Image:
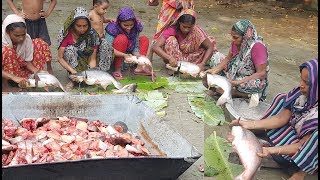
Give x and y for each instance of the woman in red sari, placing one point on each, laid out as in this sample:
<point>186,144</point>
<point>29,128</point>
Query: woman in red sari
<point>21,55</point>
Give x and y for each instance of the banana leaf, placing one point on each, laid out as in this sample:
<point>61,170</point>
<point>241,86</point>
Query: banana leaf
<point>185,85</point>
<point>216,153</point>
<point>207,110</point>
<point>154,99</point>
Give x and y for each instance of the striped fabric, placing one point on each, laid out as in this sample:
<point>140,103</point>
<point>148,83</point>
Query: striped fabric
<point>304,121</point>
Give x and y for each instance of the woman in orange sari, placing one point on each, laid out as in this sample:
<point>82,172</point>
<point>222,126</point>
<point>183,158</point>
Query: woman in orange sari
<point>186,41</point>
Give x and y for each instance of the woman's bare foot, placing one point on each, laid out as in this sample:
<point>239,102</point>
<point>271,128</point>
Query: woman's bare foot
<point>298,175</point>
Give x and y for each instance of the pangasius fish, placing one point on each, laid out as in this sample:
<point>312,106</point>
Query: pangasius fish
<point>185,67</point>
<point>246,145</point>
<point>142,61</point>
<point>223,83</point>
<point>95,76</point>
<point>43,79</point>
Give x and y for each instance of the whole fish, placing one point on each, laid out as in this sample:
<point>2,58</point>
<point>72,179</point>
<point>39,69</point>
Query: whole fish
<point>246,145</point>
<point>95,76</point>
<point>44,79</point>
<point>142,60</point>
<point>222,82</point>
<point>185,67</point>
<point>127,88</point>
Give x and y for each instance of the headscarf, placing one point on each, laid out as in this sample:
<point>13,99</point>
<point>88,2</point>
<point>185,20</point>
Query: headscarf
<point>78,13</point>
<point>303,103</point>
<point>183,12</point>
<point>249,36</point>
<point>25,49</point>
<point>114,28</point>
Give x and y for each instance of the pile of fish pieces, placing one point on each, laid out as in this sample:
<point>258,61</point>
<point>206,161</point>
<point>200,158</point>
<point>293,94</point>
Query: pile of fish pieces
<point>44,140</point>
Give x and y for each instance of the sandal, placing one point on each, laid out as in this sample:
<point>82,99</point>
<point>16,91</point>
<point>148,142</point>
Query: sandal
<point>153,2</point>
<point>117,75</point>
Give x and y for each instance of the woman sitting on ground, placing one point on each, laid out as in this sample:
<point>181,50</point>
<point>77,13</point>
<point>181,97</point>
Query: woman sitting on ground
<point>185,41</point>
<point>124,35</point>
<point>291,125</point>
<point>246,64</point>
<point>80,47</point>
<point>21,55</point>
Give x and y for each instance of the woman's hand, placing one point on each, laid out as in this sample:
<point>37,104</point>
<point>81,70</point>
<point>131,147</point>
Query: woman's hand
<point>22,82</point>
<point>73,71</point>
<point>173,62</point>
<point>235,83</point>
<point>266,151</point>
<point>127,58</point>
<point>212,71</point>
<point>243,123</point>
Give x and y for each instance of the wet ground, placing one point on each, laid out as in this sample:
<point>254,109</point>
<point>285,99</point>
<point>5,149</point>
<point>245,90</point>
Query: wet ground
<point>290,33</point>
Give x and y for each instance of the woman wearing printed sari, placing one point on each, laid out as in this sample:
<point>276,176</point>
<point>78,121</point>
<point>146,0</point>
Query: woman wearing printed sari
<point>21,55</point>
<point>246,65</point>
<point>186,41</point>
<point>169,11</point>
<point>80,46</point>
<point>291,125</point>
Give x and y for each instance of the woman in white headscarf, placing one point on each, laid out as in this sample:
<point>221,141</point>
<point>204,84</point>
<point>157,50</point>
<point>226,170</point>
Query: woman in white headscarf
<point>21,55</point>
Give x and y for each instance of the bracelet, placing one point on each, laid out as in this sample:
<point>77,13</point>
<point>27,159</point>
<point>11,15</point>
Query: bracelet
<point>254,124</point>
<point>279,149</point>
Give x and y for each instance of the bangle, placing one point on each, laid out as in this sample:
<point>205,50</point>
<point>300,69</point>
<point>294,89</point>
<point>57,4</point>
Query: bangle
<point>254,124</point>
<point>279,149</point>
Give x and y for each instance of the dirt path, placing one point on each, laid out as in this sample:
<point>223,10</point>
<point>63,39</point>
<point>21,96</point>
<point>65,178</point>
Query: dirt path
<point>290,34</point>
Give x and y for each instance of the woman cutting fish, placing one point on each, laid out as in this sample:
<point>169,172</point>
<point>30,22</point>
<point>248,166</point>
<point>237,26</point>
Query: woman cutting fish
<point>21,55</point>
<point>291,125</point>
<point>246,64</point>
<point>80,46</point>
<point>186,41</point>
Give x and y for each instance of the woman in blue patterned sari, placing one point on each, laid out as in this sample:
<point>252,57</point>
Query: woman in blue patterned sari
<point>291,125</point>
